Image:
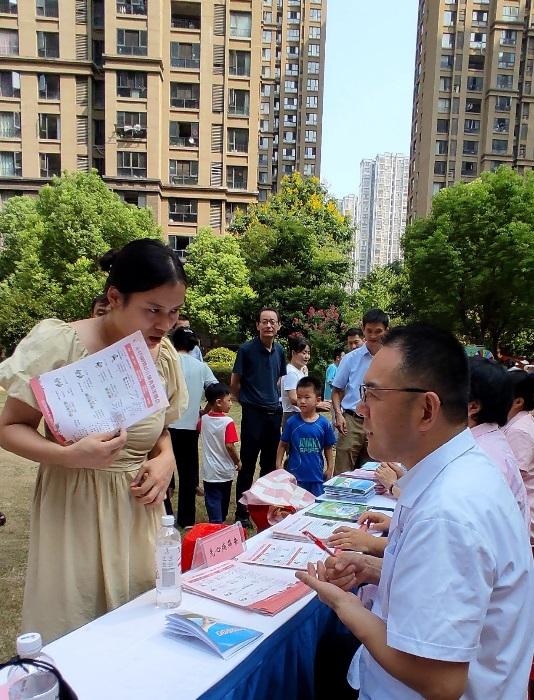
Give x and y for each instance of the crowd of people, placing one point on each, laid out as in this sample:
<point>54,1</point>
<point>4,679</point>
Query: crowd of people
<point>441,606</point>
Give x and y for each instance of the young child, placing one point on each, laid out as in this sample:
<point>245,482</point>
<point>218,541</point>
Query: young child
<point>220,459</point>
<point>308,435</point>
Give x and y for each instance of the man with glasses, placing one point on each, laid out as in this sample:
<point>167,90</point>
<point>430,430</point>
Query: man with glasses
<point>258,367</point>
<point>350,448</point>
<point>453,614</point>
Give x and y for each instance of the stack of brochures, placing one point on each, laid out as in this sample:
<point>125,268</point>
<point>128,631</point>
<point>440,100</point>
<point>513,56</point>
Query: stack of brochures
<point>348,489</point>
<point>335,510</point>
<point>208,633</point>
<point>292,527</point>
<point>366,471</point>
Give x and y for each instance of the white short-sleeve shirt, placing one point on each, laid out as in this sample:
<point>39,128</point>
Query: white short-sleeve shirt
<point>288,383</point>
<point>457,580</point>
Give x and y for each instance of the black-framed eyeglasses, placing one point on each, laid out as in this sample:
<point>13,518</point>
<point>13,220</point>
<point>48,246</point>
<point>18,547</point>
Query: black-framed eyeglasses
<point>408,389</point>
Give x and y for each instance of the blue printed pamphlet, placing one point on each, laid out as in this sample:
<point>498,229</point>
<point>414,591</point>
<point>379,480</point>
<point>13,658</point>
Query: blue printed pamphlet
<point>221,637</point>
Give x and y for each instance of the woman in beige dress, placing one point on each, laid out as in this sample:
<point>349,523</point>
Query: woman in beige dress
<point>97,502</point>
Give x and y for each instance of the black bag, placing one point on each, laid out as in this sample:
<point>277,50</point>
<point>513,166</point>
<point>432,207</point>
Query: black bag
<point>65,691</point>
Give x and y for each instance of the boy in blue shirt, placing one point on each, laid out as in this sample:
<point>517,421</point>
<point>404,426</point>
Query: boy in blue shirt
<point>308,435</point>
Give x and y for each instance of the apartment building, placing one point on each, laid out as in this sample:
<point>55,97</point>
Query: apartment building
<point>163,97</point>
<point>473,90</point>
<point>381,216</point>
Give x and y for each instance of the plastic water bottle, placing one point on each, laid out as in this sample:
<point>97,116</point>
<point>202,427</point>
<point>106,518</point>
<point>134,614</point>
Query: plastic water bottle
<point>26,682</point>
<point>168,564</point>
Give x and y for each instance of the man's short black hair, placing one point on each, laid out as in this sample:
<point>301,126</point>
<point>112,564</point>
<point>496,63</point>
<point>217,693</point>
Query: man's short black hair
<point>216,391</point>
<point>523,386</point>
<point>267,308</point>
<point>491,385</point>
<point>100,299</point>
<point>375,316</point>
<point>354,331</point>
<point>337,353</point>
<point>184,339</point>
<point>310,382</point>
<point>434,360</point>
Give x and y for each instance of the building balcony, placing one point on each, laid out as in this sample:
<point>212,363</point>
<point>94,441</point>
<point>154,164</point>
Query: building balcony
<point>131,131</point>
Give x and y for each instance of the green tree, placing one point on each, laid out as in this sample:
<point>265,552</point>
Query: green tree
<point>296,247</point>
<point>470,264</point>
<point>218,283</point>
<point>385,288</point>
<point>51,246</point>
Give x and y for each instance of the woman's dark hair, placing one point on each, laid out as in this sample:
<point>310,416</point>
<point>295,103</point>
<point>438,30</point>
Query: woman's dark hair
<point>184,339</point>
<point>523,386</point>
<point>142,265</point>
<point>297,344</point>
<point>491,385</point>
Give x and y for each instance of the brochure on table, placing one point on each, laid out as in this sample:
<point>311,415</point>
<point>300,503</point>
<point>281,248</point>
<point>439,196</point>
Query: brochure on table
<point>110,389</point>
<point>286,555</point>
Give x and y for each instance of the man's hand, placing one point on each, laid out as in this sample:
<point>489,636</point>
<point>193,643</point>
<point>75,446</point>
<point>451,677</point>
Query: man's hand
<point>341,423</point>
<point>377,521</point>
<point>339,600</point>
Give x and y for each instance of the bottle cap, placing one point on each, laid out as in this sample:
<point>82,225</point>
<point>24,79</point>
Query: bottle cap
<point>28,644</point>
<point>167,520</point>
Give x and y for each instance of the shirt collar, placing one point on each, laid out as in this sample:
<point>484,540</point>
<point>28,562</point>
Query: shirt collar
<point>483,429</point>
<point>421,475</point>
<point>513,420</point>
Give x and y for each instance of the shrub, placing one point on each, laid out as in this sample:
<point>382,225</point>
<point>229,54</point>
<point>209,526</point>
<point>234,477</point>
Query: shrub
<point>220,355</point>
<point>222,370</point>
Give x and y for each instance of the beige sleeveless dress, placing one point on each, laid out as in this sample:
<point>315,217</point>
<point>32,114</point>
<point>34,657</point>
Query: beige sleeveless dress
<point>91,543</point>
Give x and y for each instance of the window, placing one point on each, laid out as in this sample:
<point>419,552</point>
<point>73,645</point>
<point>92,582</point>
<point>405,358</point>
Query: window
<point>131,7</point>
<point>263,178</point>
<point>312,85</point>
<point>504,81</point>
<point>476,62</point>
<point>310,136</point>
<point>436,187</point>
<point>9,84</point>
<point>313,67</point>
<point>182,211</point>
<point>293,17</point>
<point>479,18</point>
<point>238,103</point>
<point>238,140</point>
<point>266,36</point>
<point>240,24</point>
<point>184,134</point>
<point>446,62</point>
<point>292,68</point>
<point>510,14</point>
<point>442,126</point>
<point>10,164</point>
<point>8,7</point>
<point>48,44</point>
<point>445,84</point>
<point>444,104</point>
<point>9,125</point>
<point>293,35</point>
<point>266,54</point>
<point>315,15</point>
<point>478,40</point>
<point>506,59</point>
<point>131,124</point>
<point>185,95</point>
<point>265,108</point>
<point>268,17</point>
<point>311,118</point>
<point>474,84</point>
<point>131,164</point>
<point>185,55</point>
<point>311,102</point>
<point>50,164</point>
<point>132,42</point>
<point>263,160</point>
<point>263,142</point>
<point>266,71</point>
<point>184,19</point>
<point>289,153</point>
<point>441,148</point>
<point>440,167</point>
<point>49,126</point>
<point>314,33</point>
<point>508,37</point>
<point>47,8</point>
<point>292,51</point>
<point>447,41</point>
<point>264,125</point>
<point>314,50</point>
<point>472,126</point>
<point>290,103</point>
<point>501,125</point>
<point>99,132</point>
<point>470,148</point>
<point>239,62</point>
<point>449,18</point>
<point>309,169</point>
<point>472,105</point>
<point>131,84</point>
<point>183,172</point>
<point>288,169</point>
<point>48,86</point>
<point>290,137</point>
<point>503,103</point>
<point>291,86</point>
<point>469,168</point>
<point>236,177</point>
<point>499,146</point>
<point>310,152</point>
<point>266,90</point>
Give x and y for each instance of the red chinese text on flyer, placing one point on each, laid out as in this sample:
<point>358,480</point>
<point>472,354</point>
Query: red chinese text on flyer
<point>111,389</point>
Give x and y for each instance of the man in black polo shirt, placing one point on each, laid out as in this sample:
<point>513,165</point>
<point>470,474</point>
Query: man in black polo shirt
<point>258,366</point>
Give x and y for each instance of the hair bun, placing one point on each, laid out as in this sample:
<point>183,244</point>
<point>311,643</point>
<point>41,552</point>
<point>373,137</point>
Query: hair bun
<point>107,259</point>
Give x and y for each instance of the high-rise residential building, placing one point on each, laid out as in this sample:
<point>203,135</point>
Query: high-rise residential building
<point>348,205</point>
<point>381,217</point>
<point>291,105</point>
<point>473,90</point>
<point>163,98</point>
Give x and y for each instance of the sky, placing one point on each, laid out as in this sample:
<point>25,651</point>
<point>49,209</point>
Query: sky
<point>369,69</point>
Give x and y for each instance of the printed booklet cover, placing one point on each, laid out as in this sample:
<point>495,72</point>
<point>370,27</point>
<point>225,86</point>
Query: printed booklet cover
<point>221,637</point>
<point>331,510</point>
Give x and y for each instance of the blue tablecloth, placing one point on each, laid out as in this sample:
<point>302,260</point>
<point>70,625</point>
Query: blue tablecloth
<point>282,666</point>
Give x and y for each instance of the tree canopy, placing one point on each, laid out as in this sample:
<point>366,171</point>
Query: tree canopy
<point>470,264</point>
<point>51,246</point>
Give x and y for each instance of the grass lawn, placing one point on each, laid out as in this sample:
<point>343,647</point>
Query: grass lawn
<point>17,479</point>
